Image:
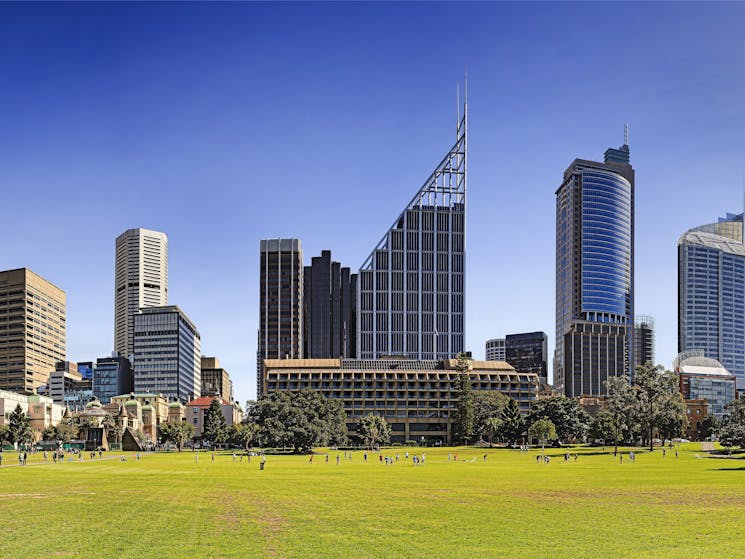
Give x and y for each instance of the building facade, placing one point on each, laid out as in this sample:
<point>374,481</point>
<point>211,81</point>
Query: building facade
<point>704,378</point>
<point>528,353</point>
<point>196,412</point>
<point>643,340</point>
<point>417,398</point>
<point>42,411</point>
<point>216,380</point>
<point>711,293</point>
<point>411,288</point>
<point>140,280</point>
<point>112,376</point>
<point>280,302</point>
<point>32,330</point>
<point>167,357</point>
<point>328,309</point>
<point>68,388</point>
<point>594,273</point>
<point>495,350</point>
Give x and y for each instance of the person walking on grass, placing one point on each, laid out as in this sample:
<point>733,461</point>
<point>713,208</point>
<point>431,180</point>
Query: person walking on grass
<point>213,456</point>
<point>196,458</point>
<point>338,459</point>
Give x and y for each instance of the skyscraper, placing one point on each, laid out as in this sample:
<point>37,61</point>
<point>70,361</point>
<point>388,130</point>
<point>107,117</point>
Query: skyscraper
<point>140,280</point>
<point>528,353</point>
<point>595,273</point>
<point>643,340</point>
<point>280,303</point>
<point>711,293</point>
<point>411,288</point>
<point>167,354</point>
<point>32,330</point>
<point>328,317</point>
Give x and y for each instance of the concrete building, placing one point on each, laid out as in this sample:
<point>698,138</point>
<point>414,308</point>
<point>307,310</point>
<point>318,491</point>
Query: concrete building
<point>112,376</point>
<point>415,397</point>
<point>495,350</point>
<point>42,411</point>
<point>68,388</point>
<point>196,411</point>
<point>216,380</point>
<point>595,273</point>
<point>140,280</point>
<point>328,309</point>
<point>280,302</point>
<point>711,293</point>
<point>643,340</point>
<point>411,288</point>
<point>528,353</point>
<point>167,356</point>
<point>703,378</point>
<point>32,330</point>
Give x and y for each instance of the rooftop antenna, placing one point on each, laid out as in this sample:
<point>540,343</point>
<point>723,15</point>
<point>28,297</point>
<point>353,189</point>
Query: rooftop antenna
<point>626,134</point>
<point>457,109</point>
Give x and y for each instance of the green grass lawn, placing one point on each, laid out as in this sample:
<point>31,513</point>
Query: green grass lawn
<point>167,505</point>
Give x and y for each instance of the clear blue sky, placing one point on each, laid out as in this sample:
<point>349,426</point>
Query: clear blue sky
<point>222,124</point>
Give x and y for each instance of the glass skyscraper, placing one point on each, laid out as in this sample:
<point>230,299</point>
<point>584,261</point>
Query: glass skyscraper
<point>711,293</point>
<point>411,288</point>
<point>594,273</point>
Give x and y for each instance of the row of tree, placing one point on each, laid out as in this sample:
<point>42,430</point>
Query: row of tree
<point>652,406</point>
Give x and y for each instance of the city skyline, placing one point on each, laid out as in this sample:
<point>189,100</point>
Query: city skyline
<point>231,136</point>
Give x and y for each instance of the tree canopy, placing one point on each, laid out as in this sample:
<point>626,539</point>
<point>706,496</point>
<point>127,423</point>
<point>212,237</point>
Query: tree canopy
<point>569,419</point>
<point>215,428</point>
<point>374,431</point>
<point>299,420</point>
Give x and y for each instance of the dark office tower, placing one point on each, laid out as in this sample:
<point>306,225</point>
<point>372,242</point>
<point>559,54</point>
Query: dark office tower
<point>327,309</point>
<point>643,340</point>
<point>411,287</point>
<point>280,302</point>
<point>528,353</point>
<point>595,273</point>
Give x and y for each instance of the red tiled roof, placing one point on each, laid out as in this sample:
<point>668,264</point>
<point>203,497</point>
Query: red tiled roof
<point>205,401</point>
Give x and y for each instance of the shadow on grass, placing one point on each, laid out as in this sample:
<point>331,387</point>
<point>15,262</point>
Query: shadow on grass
<point>740,469</point>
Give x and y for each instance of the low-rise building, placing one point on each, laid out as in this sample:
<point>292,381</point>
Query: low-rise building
<point>149,411</point>
<point>696,411</point>
<point>42,411</point>
<point>705,378</point>
<point>196,412</point>
<point>417,398</point>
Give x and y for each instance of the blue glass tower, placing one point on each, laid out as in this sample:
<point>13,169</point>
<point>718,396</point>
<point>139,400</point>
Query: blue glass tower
<point>711,293</point>
<point>594,273</point>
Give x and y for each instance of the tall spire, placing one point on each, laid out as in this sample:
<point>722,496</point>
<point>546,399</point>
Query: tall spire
<point>626,134</point>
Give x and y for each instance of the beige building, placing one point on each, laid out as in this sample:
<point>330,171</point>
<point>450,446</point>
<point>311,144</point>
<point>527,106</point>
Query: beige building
<point>147,411</point>
<point>415,397</point>
<point>216,380</point>
<point>41,410</point>
<point>140,280</point>
<point>32,330</point>
<point>196,411</point>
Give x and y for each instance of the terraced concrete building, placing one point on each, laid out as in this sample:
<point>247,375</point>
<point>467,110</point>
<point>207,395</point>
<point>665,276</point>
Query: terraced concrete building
<point>416,397</point>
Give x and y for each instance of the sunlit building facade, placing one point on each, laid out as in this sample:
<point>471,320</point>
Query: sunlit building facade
<point>594,273</point>
<point>711,293</point>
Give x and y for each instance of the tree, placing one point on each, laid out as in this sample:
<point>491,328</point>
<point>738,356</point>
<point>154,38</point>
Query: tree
<point>64,432</point>
<point>493,426</point>
<point>543,430</point>
<point>569,419</point>
<point>178,432</point>
<point>513,423</point>
<point>463,416</point>
<point>5,436</point>
<point>243,434</point>
<point>487,405</point>
<point>606,427</point>
<point>300,420</point>
<point>661,404</point>
<point>20,426</point>
<point>622,405</point>
<point>732,431</point>
<point>374,431</point>
<point>215,428</point>
<point>709,426</point>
